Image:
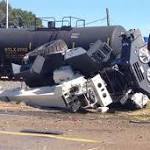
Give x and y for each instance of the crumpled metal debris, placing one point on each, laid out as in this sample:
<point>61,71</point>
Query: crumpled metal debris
<point>140,100</point>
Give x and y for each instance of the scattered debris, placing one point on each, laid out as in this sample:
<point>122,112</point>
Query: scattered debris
<point>140,100</point>
<point>139,122</point>
<point>42,132</point>
<point>103,109</point>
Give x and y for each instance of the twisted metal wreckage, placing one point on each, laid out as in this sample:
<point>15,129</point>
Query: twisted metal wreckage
<point>81,78</point>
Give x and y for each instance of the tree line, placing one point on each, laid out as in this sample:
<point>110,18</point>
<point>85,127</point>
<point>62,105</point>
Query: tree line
<point>18,17</point>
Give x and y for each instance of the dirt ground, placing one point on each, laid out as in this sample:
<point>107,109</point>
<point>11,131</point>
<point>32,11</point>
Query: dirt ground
<point>79,131</point>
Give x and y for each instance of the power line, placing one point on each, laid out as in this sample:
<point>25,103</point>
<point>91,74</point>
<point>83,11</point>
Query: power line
<point>98,20</point>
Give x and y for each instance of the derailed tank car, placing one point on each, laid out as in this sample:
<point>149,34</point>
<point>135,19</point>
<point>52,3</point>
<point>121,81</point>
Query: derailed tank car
<point>15,43</point>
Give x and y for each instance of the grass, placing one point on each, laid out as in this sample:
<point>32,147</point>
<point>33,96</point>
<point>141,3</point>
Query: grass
<point>140,115</point>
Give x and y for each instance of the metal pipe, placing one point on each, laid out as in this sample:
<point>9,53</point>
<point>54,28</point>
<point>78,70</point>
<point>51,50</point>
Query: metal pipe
<point>6,14</point>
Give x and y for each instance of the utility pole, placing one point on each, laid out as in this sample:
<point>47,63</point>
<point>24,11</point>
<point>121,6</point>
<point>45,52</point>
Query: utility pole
<point>6,14</point>
<point>108,17</point>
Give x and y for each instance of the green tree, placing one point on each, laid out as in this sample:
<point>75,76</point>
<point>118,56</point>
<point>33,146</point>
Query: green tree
<point>3,10</point>
<point>18,17</point>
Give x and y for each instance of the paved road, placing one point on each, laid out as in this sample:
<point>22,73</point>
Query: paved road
<point>89,131</point>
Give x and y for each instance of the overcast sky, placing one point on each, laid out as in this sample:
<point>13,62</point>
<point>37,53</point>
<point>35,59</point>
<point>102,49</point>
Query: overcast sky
<point>128,13</point>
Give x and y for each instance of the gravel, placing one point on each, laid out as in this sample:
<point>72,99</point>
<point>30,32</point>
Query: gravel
<point>6,85</point>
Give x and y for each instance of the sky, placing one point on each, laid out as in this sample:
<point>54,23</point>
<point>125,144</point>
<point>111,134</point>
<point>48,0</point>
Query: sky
<point>128,13</point>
